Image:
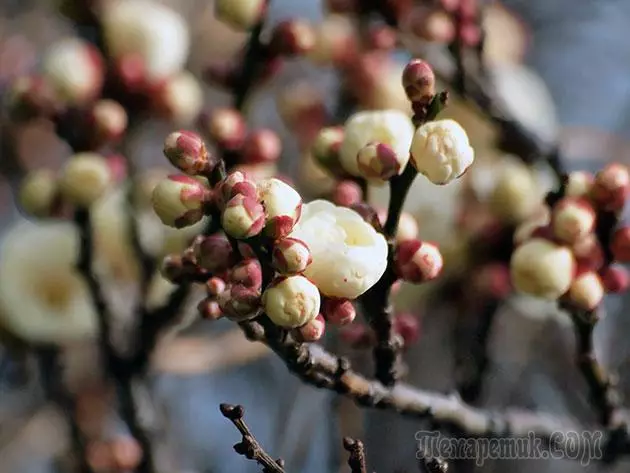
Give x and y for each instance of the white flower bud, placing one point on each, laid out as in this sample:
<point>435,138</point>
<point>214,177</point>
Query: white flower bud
<point>179,200</point>
<point>283,206</point>
<point>239,14</point>
<point>349,255</point>
<point>579,184</point>
<point>440,150</point>
<point>389,127</point>
<point>292,301</point>
<point>153,32</point>
<point>38,192</point>
<point>181,98</point>
<point>85,178</point>
<point>587,291</point>
<point>542,268</point>
<point>243,217</point>
<point>515,195</point>
<point>572,219</point>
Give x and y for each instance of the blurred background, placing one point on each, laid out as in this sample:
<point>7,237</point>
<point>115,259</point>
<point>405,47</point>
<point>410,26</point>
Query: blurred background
<point>563,63</point>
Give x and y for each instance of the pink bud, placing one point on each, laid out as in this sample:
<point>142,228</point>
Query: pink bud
<point>243,217</point>
<point>418,79</point>
<point>326,147</point>
<point>620,244</point>
<point>240,303</point>
<point>117,166</point>
<point>572,219</point>
<point>290,256</point>
<point>247,273</point>
<point>347,193</point>
<point>226,127</point>
<point>215,286</point>
<point>187,152</point>
<point>611,187</point>
<point>292,38</point>
<point>262,146</point>
<point>615,279</point>
<point>235,183</point>
<point>589,254</point>
<point>378,161</point>
<point>407,325</point>
<point>586,291</point>
<point>418,261</point>
<point>283,207</point>
<point>311,331</point>
<point>339,311</point>
<point>132,73</point>
<point>214,253</point>
<point>210,309</point>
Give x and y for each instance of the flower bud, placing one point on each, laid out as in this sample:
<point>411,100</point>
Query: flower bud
<point>588,253</point>
<point>615,279</point>
<point>291,301</point>
<point>493,279</point>
<point>235,183</point>
<point>110,121</point>
<point>336,41</point>
<point>187,152</point>
<point>292,38</point>
<point>290,256</point>
<point>440,150</point>
<point>326,149</point>
<point>586,291</point>
<point>247,273</point>
<point>312,331</point>
<point>347,193</point>
<point>418,261</point>
<point>515,196</point>
<point>240,303</point>
<point>302,109</point>
<point>126,452</point>
<point>240,14</point>
<point>620,244</point>
<point>38,193</point>
<point>85,178</point>
<point>74,68</point>
<point>262,146</point>
<point>226,127</point>
<point>572,219</point>
<point>215,286</point>
<point>611,187</point>
<point>418,79</point>
<point>209,309</point>
<point>542,268</point>
<point>408,327</point>
<point>243,217</point>
<point>579,184</point>
<point>283,206</point>
<point>179,200</point>
<point>180,98</point>
<point>214,253</point>
<point>339,311</point>
<point>378,161</point>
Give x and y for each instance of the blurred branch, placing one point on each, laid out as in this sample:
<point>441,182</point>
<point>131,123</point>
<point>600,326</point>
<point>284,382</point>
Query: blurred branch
<point>356,459</point>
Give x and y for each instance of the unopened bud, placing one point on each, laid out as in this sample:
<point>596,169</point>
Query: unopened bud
<point>611,187</point>
<point>214,253</point>
<point>418,79</point>
<point>235,183</point>
<point>291,301</point>
<point>493,279</point>
<point>572,219</point>
<point>588,253</point>
<point>215,286</point>
<point>290,256</point>
<point>283,207</point>
<point>126,452</point>
<point>515,196</point>
<point>311,331</point>
<point>110,121</point>
<point>579,184</point>
<point>347,193</point>
<point>620,244</point>
<point>248,273</point>
<point>262,146</point>
<point>187,152</point>
<point>180,98</point>
<point>179,200</point>
<point>243,217</point>
<point>226,127</point>
<point>326,149</point>
<point>209,309</point>
<point>339,311</point>
<point>85,178</point>
<point>586,291</point>
<point>240,303</point>
<point>292,38</point>
<point>379,161</point>
<point>418,261</point>
<point>615,279</point>
<point>241,15</point>
<point>38,193</point>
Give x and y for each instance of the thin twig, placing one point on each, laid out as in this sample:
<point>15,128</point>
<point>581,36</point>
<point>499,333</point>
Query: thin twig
<point>356,460</point>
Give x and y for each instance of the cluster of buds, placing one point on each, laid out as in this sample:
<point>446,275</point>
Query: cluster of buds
<point>571,255</point>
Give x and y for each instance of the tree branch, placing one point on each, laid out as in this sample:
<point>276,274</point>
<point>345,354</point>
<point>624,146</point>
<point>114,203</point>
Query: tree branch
<point>356,460</point>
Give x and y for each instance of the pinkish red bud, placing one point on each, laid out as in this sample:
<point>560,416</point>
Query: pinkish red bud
<point>262,146</point>
<point>615,279</point>
<point>326,148</point>
<point>226,127</point>
<point>215,286</point>
<point>235,183</point>
<point>187,152</point>
<point>589,254</point>
<point>240,303</point>
<point>311,331</point>
<point>247,273</point>
<point>378,161</point>
<point>214,253</point>
<point>620,244</point>
<point>611,187</point>
<point>407,325</point>
<point>347,193</point>
<point>243,217</point>
<point>339,311</point>
<point>290,256</point>
<point>418,79</point>
<point>418,261</point>
<point>572,219</point>
<point>292,38</point>
<point>132,73</point>
<point>209,309</point>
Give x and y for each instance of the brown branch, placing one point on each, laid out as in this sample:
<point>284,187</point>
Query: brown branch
<point>249,446</point>
<point>356,460</point>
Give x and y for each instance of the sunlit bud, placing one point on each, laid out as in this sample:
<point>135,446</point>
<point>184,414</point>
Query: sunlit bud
<point>85,178</point>
<point>187,152</point>
<point>179,200</point>
<point>586,291</point>
<point>209,309</point>
<point>226,127</point>
<point>290,256</point>
<point>248,273</point>
<point>240,14</point>
<point>611,187</point>
<point>240,303</point>
<point>620,244</point>
<point>407,325</point>
<point>237,182</point>
<point>339,311</point>
<point>326,149</point>
<point>180,98</point>
<point>243,217</point>
<point>291,301</point>
<point>214,253</point>
<point>572,219</point>
<point>579,184</point>
<point>312,330</point>
<point>38,193</point>
<point>542,268</point>
<point>418,79</point>
<point>292,38</point>
<point>262,146</point>
<point>215,286</point>
<point>283,206</point>
<point>379,161</point>
<point>418,261</point>
<point>347,193</point>
<point>588,253</point>
<point>110,120</point>
<point>615,279</point>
